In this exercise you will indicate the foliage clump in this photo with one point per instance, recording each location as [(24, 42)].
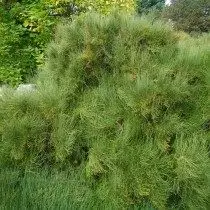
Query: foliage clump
[(121, 103)]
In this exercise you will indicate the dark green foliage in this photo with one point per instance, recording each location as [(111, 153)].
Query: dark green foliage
[(121, 104), (190, 16), (145, 6)]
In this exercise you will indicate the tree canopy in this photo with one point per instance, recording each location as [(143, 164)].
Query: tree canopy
[(190, 16), (145, 6)]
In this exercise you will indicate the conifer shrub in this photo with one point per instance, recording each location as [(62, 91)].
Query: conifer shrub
[(124, 106)]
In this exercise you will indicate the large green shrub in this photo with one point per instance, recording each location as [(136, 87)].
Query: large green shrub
[(122, 103)]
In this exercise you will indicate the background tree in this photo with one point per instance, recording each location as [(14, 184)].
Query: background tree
[(145, 6), (190, 16)]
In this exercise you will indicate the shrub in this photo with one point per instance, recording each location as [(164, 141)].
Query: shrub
[(20, 46), (122, 102)]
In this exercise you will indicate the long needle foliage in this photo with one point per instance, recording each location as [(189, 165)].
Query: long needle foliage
[(120, 120)]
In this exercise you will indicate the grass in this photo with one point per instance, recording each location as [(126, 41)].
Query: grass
[(49, 190)]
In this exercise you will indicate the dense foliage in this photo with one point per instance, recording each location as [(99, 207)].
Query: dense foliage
[(145, 6), (27, 26), (190, 16), (120, 116)]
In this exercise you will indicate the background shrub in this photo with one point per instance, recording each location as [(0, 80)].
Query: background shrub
[(121, 105)]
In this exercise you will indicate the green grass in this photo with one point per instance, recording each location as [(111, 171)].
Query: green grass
[(49, 190)]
